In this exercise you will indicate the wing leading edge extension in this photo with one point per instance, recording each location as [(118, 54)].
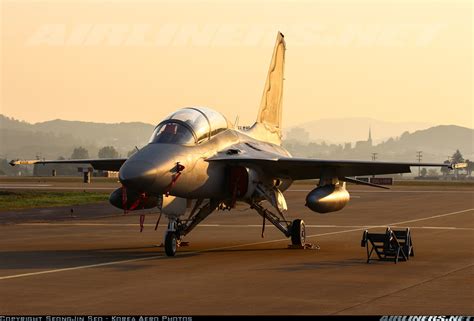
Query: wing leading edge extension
[(107, 164), (304, 168)]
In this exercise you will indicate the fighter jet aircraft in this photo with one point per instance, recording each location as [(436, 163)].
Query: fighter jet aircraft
[(198, 162)]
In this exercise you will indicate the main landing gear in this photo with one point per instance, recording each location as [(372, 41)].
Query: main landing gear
[(298, 233), (295, 230)]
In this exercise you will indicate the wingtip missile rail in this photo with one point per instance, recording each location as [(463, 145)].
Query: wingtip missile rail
[(458, 165), (15, 162)]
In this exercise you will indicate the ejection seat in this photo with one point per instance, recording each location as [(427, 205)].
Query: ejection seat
[(393, 245)]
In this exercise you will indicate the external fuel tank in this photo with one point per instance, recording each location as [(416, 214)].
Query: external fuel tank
[(328, 198)]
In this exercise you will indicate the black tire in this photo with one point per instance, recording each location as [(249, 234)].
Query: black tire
[(298, 232), (171, 243)]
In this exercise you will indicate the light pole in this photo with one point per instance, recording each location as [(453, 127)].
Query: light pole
[(419, 156), (374, 158)]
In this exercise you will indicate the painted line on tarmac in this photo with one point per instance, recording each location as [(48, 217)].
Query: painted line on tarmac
[(15, 276), (246, 225), (434, 216), (438, 228), (24, 185), (108, 224), (79, 267), (163, 225), (217, 248), (340, 232), (404, 289)]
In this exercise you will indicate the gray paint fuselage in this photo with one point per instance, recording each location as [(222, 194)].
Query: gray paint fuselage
[(152, 168)]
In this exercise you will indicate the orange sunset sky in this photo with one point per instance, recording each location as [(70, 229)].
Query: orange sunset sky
[(114, 61)]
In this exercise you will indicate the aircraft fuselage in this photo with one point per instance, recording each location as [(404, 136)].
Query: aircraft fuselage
[(153, 168)]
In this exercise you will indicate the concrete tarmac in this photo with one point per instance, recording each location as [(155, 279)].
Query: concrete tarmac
[(87, 265)]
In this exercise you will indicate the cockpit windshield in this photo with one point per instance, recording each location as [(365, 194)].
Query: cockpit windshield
[(195, 119), (172, 133), (189, 126)]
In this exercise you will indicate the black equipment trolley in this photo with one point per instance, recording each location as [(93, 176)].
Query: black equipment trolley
[(393, 245)]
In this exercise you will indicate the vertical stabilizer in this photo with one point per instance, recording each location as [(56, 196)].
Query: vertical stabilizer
[(268, 125), (271, 104)]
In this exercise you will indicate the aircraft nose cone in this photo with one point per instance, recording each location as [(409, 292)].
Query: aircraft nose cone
[(138, 175)]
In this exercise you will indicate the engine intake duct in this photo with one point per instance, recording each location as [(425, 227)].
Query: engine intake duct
[(133, 200)]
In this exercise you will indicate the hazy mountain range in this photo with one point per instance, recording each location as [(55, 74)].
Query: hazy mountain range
[(343, 130), (55, 138), (436, 143)]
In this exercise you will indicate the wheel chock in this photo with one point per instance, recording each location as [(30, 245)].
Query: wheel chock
[(180, 244), (306, 246)]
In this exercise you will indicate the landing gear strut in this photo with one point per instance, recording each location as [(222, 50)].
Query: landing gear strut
[(294, 230), (179, 228)]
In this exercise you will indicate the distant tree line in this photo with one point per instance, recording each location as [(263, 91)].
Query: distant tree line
[(456, 158)]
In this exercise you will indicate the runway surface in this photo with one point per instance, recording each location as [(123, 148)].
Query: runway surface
[(102, 264)]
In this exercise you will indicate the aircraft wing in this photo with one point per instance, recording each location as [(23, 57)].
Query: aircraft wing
[(306, 168), (108, 164)]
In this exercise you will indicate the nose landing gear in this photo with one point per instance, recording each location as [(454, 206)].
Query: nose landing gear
[(171, 243), (171, 237), (179, 228)]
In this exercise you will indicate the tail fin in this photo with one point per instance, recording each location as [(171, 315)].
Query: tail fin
[(270, 106), (270, 111)]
